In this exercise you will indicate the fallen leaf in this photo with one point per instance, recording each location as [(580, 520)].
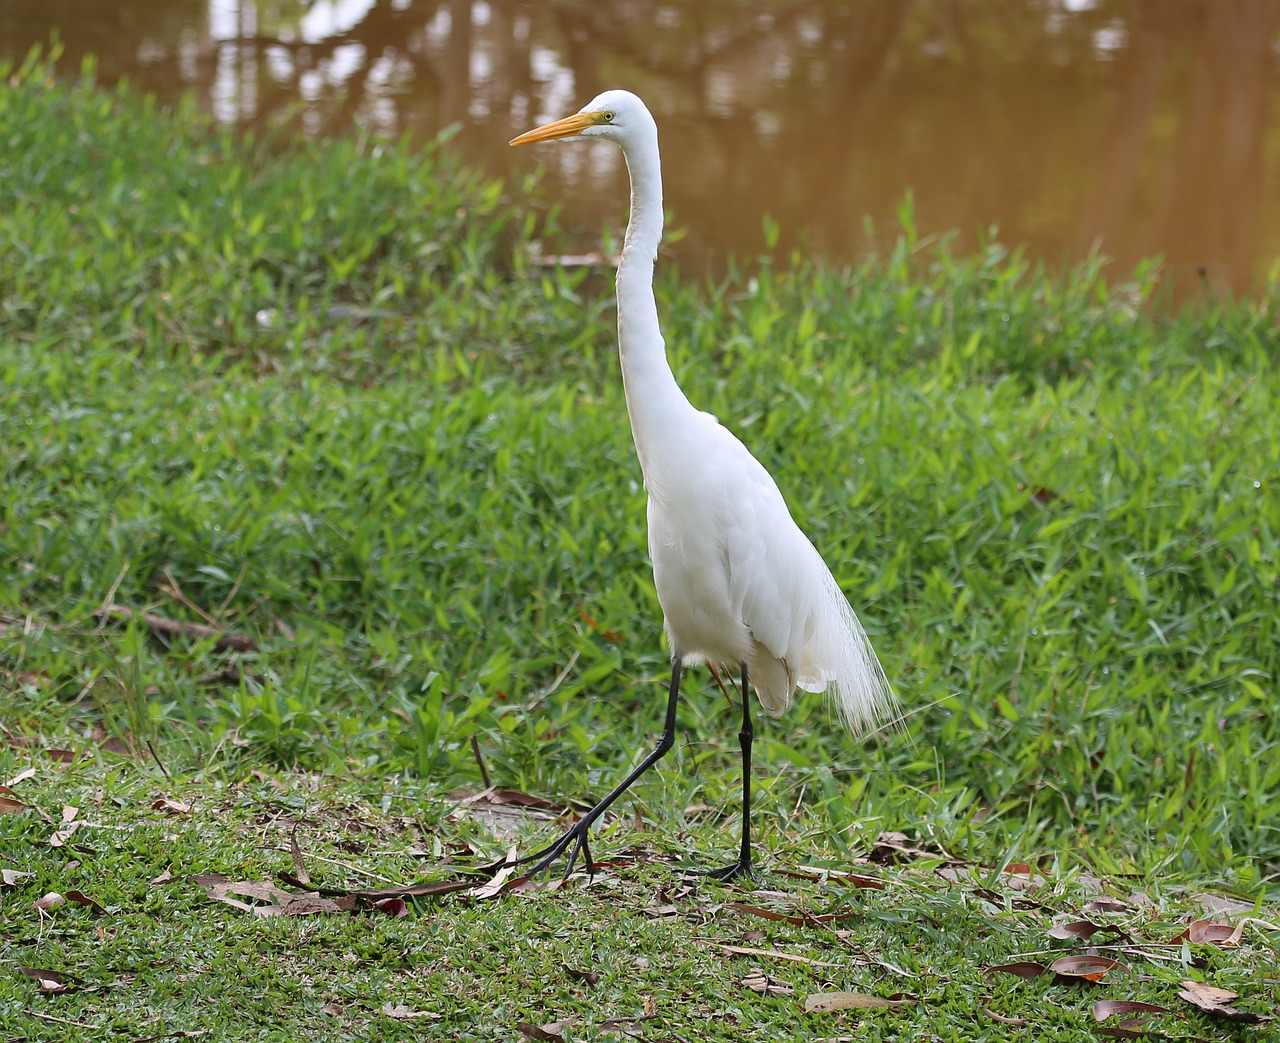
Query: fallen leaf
[(401, 1012), (766, 984), (1213, 1000), (173, 807), (1022, 968), (1104, 1009), (896, 847), (392, 907), (497, 883), (163, 878), (1085, 968), (50, 981), (1082, 930), (22, 776), (11, 877), (589, 977), (49, 901), (80, 898), (1104, 905), (61, 756), (825, 1002), (10, 805), (1211, 932), (550, 1034)]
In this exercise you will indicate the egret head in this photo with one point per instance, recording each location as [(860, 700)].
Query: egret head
[(614, 115)]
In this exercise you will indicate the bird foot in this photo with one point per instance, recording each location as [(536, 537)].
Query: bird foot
[(739, 870), (573, 842)]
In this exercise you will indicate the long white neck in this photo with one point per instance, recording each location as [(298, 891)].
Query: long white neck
[(654, 400)]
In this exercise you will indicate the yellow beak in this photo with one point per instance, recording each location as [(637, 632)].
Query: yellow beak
[(565, 128)]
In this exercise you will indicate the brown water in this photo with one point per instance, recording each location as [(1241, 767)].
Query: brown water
[(1141, 127)]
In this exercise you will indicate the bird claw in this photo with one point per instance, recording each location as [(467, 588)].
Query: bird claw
[(577, 836), (740, 870)]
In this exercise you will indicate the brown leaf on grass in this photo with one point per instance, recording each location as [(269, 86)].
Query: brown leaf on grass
[(1085, 968), (891, 848), (1211, 932), (61, 836), (1104, 905), (586, 977), (163, 878), (268, 900), (172, 807), (61, 756), (825, 1002), (498, 882), (50, 981), (1213, 1000), (396, 907), (22, 776), (552, 1033), (766, 984), (1021, 968), (1083, 930), (402, 1012), (49, 901), (1104, 1009), (12, 877), (80, 898), (11, 805)]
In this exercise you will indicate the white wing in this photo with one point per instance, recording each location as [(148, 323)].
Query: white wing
[(804, 630)]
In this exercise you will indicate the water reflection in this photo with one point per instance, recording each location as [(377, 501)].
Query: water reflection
[(1140, 124)]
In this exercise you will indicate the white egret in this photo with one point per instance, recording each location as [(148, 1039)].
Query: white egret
[(739, 584)]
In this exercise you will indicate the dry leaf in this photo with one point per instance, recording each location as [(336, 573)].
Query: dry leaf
[(766, 984), (1211, 932), (49, 901), (22, 776), (1104, 1009), (50, 981), (11, 805), (10, 877), (1082, 930), (1022, 968), (742, 950), (1085, 968), (396, 907), (401, 1012), (173, 807), (588, 977), (1104, 905), (551, 1033), (825, 1002), (1213, 1000), (80, 898), (163, 878)]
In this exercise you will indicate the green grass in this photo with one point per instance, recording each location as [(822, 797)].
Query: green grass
[(319, 395)]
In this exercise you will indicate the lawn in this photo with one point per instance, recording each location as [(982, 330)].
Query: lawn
[(324, 575)]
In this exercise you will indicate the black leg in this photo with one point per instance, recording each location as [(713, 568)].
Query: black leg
[(742, 867), (575, 840)]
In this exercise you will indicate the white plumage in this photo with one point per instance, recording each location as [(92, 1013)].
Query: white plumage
[(739, 584)]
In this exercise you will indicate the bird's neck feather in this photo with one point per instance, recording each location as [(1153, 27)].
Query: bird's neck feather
[(654, 400)]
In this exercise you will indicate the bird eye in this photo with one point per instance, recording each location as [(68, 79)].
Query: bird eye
[(608, 117)]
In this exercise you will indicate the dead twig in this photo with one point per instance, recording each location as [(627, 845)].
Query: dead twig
[(173, 627)]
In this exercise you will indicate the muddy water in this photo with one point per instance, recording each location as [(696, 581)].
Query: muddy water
[(1137, 127)]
